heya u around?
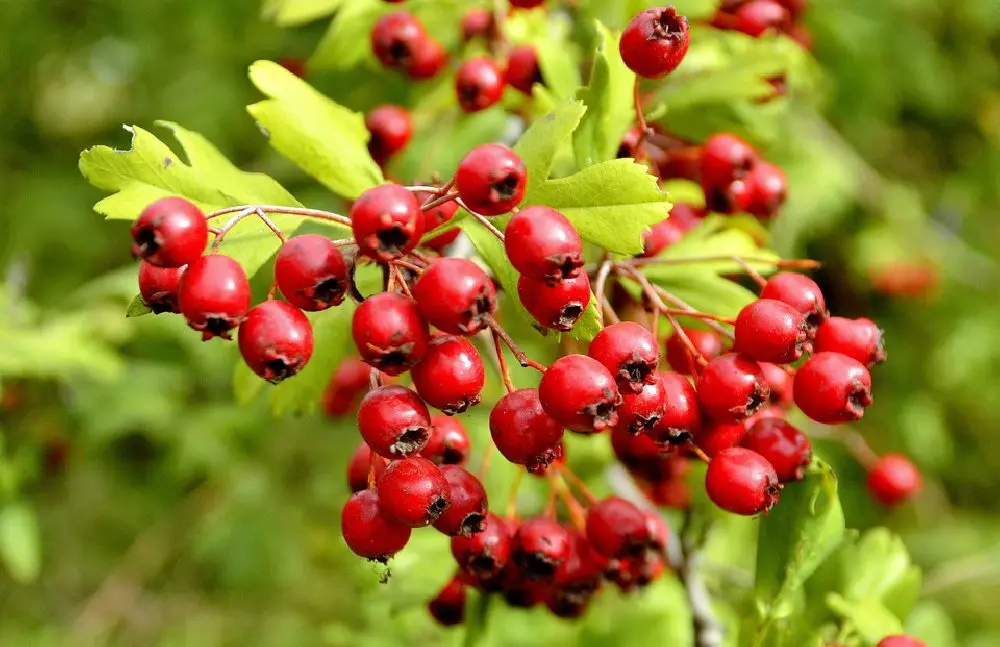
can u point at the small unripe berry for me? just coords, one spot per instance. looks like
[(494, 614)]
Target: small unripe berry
[(522, 432), (484, 554), (448, 606), (899, 640), (386, 222), (798, 291), (654, 42), (367, 531), (467, 513), (276, 340), (158, 286), (786, 448), (214, 295), (413, 492), (169, 233), (456, 296), (479, 83), (394, 421), (359, 466), (630, 352), (395, 37), (391, 129), (742, 482), (580, 393), (893, 479), (491, 179), (617, 529), (771, 331), (681, 417), (311, 272), (449, 442), (543, 245), (641, 412), (732, 388), (389, 332), (559, 306), (451, 375), (859, 339), (832, 388), (523, 71), (540, 546), (707, 342)]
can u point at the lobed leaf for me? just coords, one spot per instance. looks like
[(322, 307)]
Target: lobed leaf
[(540, 144), (291, 13), (608, 96)]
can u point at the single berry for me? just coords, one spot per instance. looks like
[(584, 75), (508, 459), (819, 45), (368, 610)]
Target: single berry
[(542, 244), (654, 42), (893, 479), (578, 579), (391, 129), (522, 431), (386, 222), (523, 71), (899, 640), (659, 532), (708, 343), (449, 442), (717, 437), (484, 554), (631, 574), (413, 492), (448, 606), (434, 218), (394, 421), (521, 591), (491, 179), (456, 296), (755, 17), (389, 332), (832, 388), (451, 375), (768, 190), (214, 295), (732, 388), (427, 59), (639, 453), (725, 159), (580, 393), (395, 37), (526, 4), (786, 448), (742, 482), (859, 339), (681, 417), (311, 272), (641, 412), (466, 515), (367, 531), (276, 340), (798, 291), (687, 216), (169, 233), (660, 237), (158, 286), (559, 306), (477, 22), (630, 352), (771, 331), (359, 466), (540, 546), (779, 381), (728, 198), (479, 83), (617, 529), (347, 384)]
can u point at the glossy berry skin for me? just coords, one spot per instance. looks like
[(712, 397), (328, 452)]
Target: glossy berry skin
[(391, 129), (771, 331), (434, 218), (654, 42), (389, 332), (214, 295), (427, 59), (413, 492), (742, 482), (479, 83), (476, 22), (169, 233), (311, 272), (641, 412), (859, 339), (727, 199), (681, 417), (451, 375), (276, 340), (540, 546), (832, 388), (768, 190), (900, 640), (522, 68), (158, 286), (629, 352), (559, 306), (755, 17), (466, 515), (449, 442), (347, 385), (484, 554), (395, 37), (394, 421), (491, 179), (386, 222), (786, 448), (448, 606), (725, 158), (732, 388), (580, 393), (717, 437), (617, 529), (357, 468), (522, 431), (367, 531), (543, 245), (798, 291), (706, 342), (893, 479), (456, 296)]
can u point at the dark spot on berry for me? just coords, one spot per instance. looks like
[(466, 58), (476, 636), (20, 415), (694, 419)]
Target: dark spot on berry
[(506, 188), (162, 302), (636, 372), (474, 523), (393, 240), (438, 505), (146, 243), (277, 370), (468, 93), (483, 566), (410, 441), (452, 456), (329, 291), (400, 52), (642, 423), (569, 316), (537, 567), (218, 327)]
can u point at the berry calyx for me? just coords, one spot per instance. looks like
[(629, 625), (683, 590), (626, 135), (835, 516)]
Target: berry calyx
[(158, 286), (214, 295), (394, 421), (707, 342), (522, 431), (395, 37), (559, 306), (630, 352), (893, 479), (386, 222), (491, 179), (786, 448), (732, 388), (451, 375), (860, 339), (276, 340), (311, 272), (641, 412), (540, 546), (367, 531), (742, 482), (771, 331), (466, 515), (449, 442), (580, 393), (169, 233), (832, 388), (798, 291), (479, 83), (456, 296), (448, 606), (755, 17), (391, 129), (413, 492), (543, 245), (617, 529), (654, 42), (359, 465), (389, 332), (523, 71), (681, 417), (484, 554)]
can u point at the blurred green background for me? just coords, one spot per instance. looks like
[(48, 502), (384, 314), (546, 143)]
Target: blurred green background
[(167, 515)]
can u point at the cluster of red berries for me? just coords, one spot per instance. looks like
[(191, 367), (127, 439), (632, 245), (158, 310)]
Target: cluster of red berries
[(761, 17)]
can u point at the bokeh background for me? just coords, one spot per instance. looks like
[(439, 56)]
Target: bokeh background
[(139, 505)]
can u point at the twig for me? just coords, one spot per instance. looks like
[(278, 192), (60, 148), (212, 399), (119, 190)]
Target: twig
[(797, 264), (438, 201), (502, 362), (522, 358), (657, 294), (291, 211), (483, 220)]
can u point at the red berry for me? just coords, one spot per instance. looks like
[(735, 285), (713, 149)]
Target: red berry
[(641, 412), (526, 4), (360, 464), (456, 296), (413, 492), (580, 393), (449, 442), (467, 513), (347, 385), (728, 199), (427, 59), (659, 532), (832, 388), (707, 342), (311, 272), (859, 339), (448, 606), (484, 554), (558, 306), (732, 388), (391, 129), (681, 417), (542, 244), (893, 479), (630, 352), (654, 42), (742, 482), (540, 546), (169, 233), (660, 237), (158, 286), (617, 529), (757, 16), (389, 332), (768, 189), (771, 331), (780, 382), (798, 291), (276, 340), (476, 22), (900, 640), (479, 83), (520, 591), (434, 218), (451, 375), (491, 179), (725, 158), (522, 68), (394, 421), (687, 216), (395, 37), (578, 579), (631, 574), (214, 295), (386, 222), (717, 437), (367, 531), (672, 493), (522, 431), (786, 448), (638, 453)]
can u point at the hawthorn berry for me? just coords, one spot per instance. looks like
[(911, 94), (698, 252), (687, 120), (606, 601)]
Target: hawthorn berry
[(728, 199), (859, 339), (214, 295), (367, 531), (631, 574), (779, 380), (169, 233), (661, 236), (681, 417), (523, 71), (451, 375), (467, 513), (832, 388), (479, 83), (395, 37), (448, 606), (427, 59), (491, 179), (659, 533), (630, 145), (394, 421), (522, 431), (276, 340), (786, 448), (540, 546), (558, 306), (639, 453), (391, 129), (386, 222), (617, 529), (311, 272), (755, 17), (456, 296), (899, 640), (798, 291), (477, 22), (717, 437), (526, 4), (732, 388), (742, 482), (725, 158), (449, 442), (771, 331), (434, 218), (708, 343), (580, 393), (543, 245), (630, 352), (893, 479), (641, 412), (359, 466), (346, 386), (654, 42), (158, 286), (671, 493), (520, 591), (578, 579), (768, 189), (413, 492), (389, 332), (484, 554)]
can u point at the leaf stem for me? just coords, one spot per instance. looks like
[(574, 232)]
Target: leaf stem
[(577, 482), (686, 340)]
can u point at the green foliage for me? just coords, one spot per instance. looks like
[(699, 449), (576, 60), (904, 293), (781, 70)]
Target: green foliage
[(20, 542), (609, 100)]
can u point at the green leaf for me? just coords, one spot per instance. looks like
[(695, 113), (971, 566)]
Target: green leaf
[(558, 57), (878, 566), (325, 139), (703, 244), (930, 623), (867, 615), (291, 13), (20, 542), (539, 145), (477, 614), (342, 47), (136, 308), (608, 96)]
